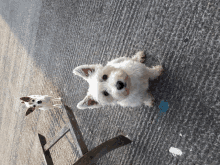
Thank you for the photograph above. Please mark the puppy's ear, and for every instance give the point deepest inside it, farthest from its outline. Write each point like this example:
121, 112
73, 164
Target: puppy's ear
85, 71
88, 102
26, 99
30, 110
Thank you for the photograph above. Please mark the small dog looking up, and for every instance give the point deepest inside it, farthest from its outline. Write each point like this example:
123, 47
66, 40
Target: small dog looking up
42, 102
122, 81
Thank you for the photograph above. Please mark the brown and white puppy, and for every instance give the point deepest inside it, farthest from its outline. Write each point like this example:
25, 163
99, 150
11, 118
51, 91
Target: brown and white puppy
42, 102
122, 81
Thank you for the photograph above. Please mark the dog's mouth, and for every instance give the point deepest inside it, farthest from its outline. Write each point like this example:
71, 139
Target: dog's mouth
127, 91
127, 86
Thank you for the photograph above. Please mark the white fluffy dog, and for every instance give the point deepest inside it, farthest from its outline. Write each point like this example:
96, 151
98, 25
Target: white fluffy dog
122, 81
42, 102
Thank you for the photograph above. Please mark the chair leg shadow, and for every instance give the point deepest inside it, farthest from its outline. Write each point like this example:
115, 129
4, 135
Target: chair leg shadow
87, 157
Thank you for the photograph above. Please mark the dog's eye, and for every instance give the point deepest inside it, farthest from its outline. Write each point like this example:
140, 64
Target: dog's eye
105, 93
33, 100
104, 77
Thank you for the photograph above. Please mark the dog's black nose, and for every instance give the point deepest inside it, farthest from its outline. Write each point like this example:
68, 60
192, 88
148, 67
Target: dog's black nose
120, 85
39, 102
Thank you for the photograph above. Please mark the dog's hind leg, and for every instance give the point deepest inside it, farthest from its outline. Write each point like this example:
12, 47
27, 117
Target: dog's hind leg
149, 100
139, 57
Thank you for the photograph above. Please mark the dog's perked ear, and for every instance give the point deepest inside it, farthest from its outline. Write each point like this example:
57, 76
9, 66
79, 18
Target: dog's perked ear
88, 102
30, 110
25, 99
85, 71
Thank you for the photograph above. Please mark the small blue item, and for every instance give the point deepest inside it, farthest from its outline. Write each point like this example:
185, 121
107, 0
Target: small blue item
163, 106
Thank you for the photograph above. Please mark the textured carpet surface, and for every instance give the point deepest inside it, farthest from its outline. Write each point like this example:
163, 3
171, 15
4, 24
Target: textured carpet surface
41, 42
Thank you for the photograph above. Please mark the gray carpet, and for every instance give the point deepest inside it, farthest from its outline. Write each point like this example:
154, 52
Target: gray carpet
182, 35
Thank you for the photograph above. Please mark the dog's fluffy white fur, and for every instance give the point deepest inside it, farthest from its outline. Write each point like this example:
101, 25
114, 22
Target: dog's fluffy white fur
42, 102
122, 81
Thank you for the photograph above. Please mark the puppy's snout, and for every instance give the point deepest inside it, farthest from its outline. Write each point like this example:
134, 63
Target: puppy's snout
120, 85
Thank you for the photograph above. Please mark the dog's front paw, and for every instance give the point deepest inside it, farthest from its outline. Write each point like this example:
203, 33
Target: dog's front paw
160, 70
139, 57
149, 100
149, 103
152, 103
